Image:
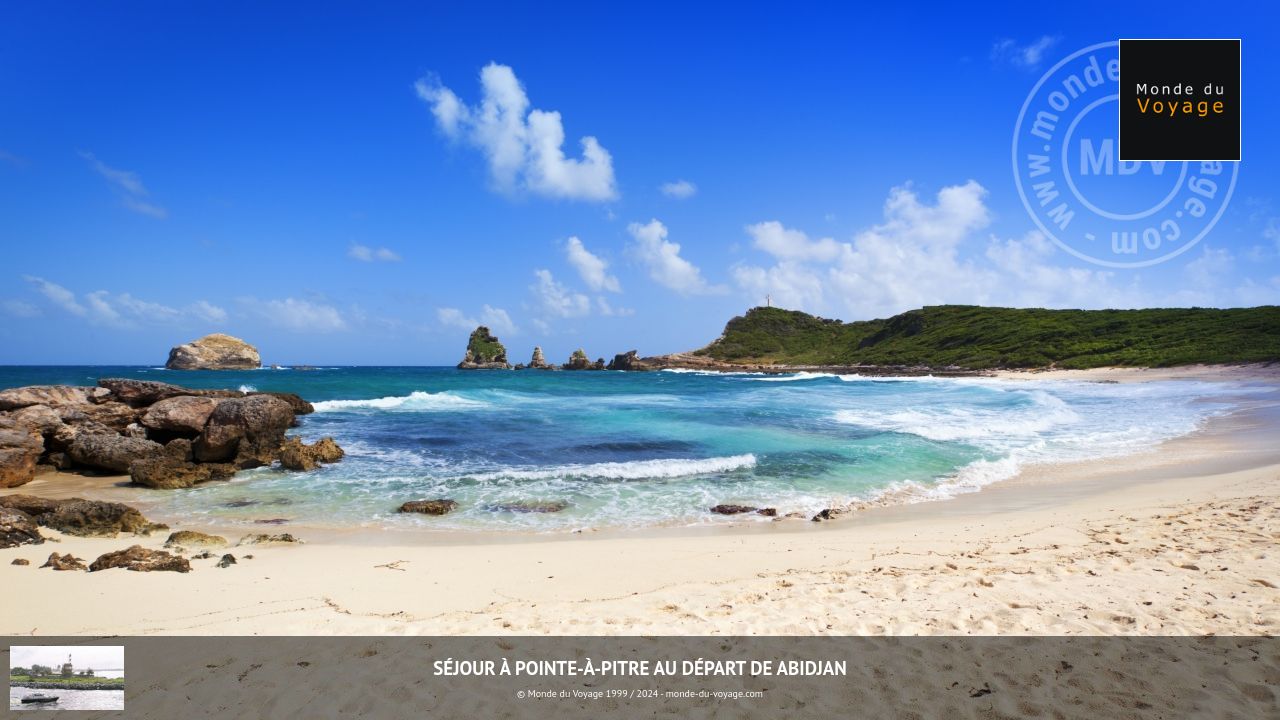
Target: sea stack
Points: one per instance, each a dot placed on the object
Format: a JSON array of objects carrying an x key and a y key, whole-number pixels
[
  {"x": 484, "y": 352},
  {"x": 214, "y": 352},
  {"x": 538, "y": 362}
]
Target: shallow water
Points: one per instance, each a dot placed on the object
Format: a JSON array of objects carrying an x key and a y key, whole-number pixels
[{"x": 658, "y": 448}]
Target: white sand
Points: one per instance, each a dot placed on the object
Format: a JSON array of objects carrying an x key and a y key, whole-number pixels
[{"x": 1177, "y": 541}]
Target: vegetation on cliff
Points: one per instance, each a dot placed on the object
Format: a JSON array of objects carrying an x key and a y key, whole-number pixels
[{"x": 985, "y": 337}]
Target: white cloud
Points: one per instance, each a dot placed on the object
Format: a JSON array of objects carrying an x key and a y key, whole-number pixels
[
  {"x": 101, "y": 307},
  {"x": 364, "y": 253},
  {"x": 591, "y": 268},
  {"x": 786, "y": 244},
  {"x": 679, "y": 189},
  {"x": 128, "y": 186},
  {"x": 1027, "y": 56},
  {"x": 300, "y": 315},
  {"x": 524, "y": 147},
  {"x": 553, "y": 299},
  {"x": 496, "y": 319},
  {"x": 662, "y": 259}
]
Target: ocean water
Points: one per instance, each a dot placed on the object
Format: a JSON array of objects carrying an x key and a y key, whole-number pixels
[{"x": 657, "y": 448}]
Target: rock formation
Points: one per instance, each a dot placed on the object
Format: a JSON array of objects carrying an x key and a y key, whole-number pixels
[
  {"x": 17, "y": 528},
  {"x": 191, "y": 538},
  {"x": 214, "y": 352},
  {"x": 578, "y": 361},
  {"x": 442, "y": 506},
  {"x": 629, "y": 361},
  {"x": 77, "y": 516},
  {"x": 64, "y": 562},
  {"x": 295, "y": 455},
  {"x": 140, "y": 559},
  {"x": 538, "y": 362},
  {"x": 164, "y": 436},
  {"x": 529, "y": 506},
  {"x": 484, "y": 352}
]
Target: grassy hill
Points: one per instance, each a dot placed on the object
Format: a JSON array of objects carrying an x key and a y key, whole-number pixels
[{"x": 985, "y": 337}]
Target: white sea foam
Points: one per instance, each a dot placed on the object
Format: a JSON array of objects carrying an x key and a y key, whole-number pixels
[
  {"x": 417, "y": 401},
  {"x": 947, "y": 424},
  {"x": 633, "y": 470},
  {"x": 248, "y": 389}
]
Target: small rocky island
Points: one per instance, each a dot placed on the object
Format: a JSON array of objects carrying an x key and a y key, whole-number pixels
[
  {"x": 161, "y": 435},
  {"x": 486, "y": 352},
  {"x": 214, "y": 352}
]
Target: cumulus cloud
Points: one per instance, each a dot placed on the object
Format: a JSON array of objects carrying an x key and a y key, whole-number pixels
[
  {"x": 524, "y": 147},
  {"x": 299, "y": 315},
  {"x": 679, "y": 189},
  {"x": 364, "y": 253},
  {"x": 496, "y": 319},
  {"x": 786, "y": 244},
  {"x": 661, "y": 258},
  {"x": 1027, "y": 56},
  {"x": 122, "y": 309},
  {"x": 552, "y": 299},
  {"x": 593, "y": 270},
  {"x": 128, "y": 187}
]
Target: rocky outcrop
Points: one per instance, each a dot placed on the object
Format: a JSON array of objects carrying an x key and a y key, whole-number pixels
[
  {"x": 141, "y": 393},
  {"x": 296, "y": 455},
  {"x": 227, "y": 561},
  {"x": 20, "y": 448},
  {"x": 20, "y": 561},
  {"x": 441, "y": 506},
  {"x": 17, "y": 528},
  {"x": 538, "y": 361},
  {"x": 140, "y": 559},
  {"x": 111, "y": 452},
  {"x": 264, "y": 539},
  {"x": 578, "y": 361},
  {"x": 300, "y": 406},
  {"x": 629, "y": 361},
  {"x": 30, "y": 504},
  {"x": 245, "y": 431},
  {"x": 54, "y": 396},
  {"x": 96, "y": 518},
  {"x": 64, "y": 562},
  {"x": 484, "y": 352},
  {"x": 214, "y": 352},
  {"x": 165, "y": 472},
  {"x": 191, "y": 538},
  {"x": 184, "y": 415}
]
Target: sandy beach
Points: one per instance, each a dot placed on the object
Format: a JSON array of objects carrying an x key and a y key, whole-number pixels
[{"x": 1177, "y": 540}]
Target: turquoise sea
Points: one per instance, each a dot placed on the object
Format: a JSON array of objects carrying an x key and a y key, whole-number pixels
[{"x": 658, "y": 448}]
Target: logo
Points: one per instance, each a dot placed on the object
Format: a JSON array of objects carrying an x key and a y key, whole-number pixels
[{"x": 1107, "y": 211}]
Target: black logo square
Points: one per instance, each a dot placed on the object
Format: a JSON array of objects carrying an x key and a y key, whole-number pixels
[{"x": 1180, "y": 100}]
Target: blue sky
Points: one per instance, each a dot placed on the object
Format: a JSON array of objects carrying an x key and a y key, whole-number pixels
[{"x": 324, "y": 181}]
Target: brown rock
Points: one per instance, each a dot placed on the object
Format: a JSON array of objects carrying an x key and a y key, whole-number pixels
[
  {"x": 629, "y": 361},
  {"x": 828, "y": 514},
  {"x": 64, "y": 562},
  {"x": 17, "y": 528},
  {"x": 300, "y": 406},
  {"x": 30, "y": 504},
  {"x": 733, "y": 509},
  {"x": 295, "y": 455},
  {"x": 247, "y": 431},
  {"x": 442, "y": 506},
  {"x": 95, "y": 518},
  {"x": 111, "y": 452},
  {"x": 214, "y": 352},
  {"x": 196, "y": 539},
  {"x": 140, "y": 559},
  {"x": 227, "y": 561},
  {"x": 53, "y": 396},
  {"x": 115, "y": 415},
  {"x": 165, "y": 472},
  {"x": 41, "y": 418},
  {"x": 20, "y": 561},
  {"x": 20, "y": 448},
  {"x": 185, "y": 414}
]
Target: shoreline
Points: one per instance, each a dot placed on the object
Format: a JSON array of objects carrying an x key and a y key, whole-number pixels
[{"x": 1171, "y": 541}]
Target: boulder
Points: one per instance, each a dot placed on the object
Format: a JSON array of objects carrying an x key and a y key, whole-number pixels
[
  {"x": 165, "y": 472},
  {"x": 113, "y": 415},
  {"x": 20, "y": 561},
  {"x": 629, "y": 361},
  {"x": 827, "y": 514},
  {"x": 41, "y": 418},
  {"x": 64, "y": 562},
  {"x": 184, "y": 415},
  {"x": 247, "y": 431},
  {"x": 17, "y": 528},
  {"x": 733, "y": 509},
  {"x": 111, "y": 452},
  {"x": 300, "y": 406},
  {"x": 96, "y": 518},
  {"x": 65, "y": 435},
  {"x": 140, "y": 393},
  {"x": 529, "y": 506},
  {"x": 295, "y": 455},
  {"x": 538, "y": 362},
  {"x": 30, "y": 504},
  {"x": 598, "y": 364},
  {"x": 20, "y": 449},
  {"x": 578, "y": 361},
  {"x": 227, "y": 561},
  {"x": 214, "y": 352},
  {"x": 484, "y": 352},
  {"x": 54, "y": 396},
  {"x": 140, "y": 559},
  {"x": 191, "y": 538},
  {"x": 442, "y": 506}
]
